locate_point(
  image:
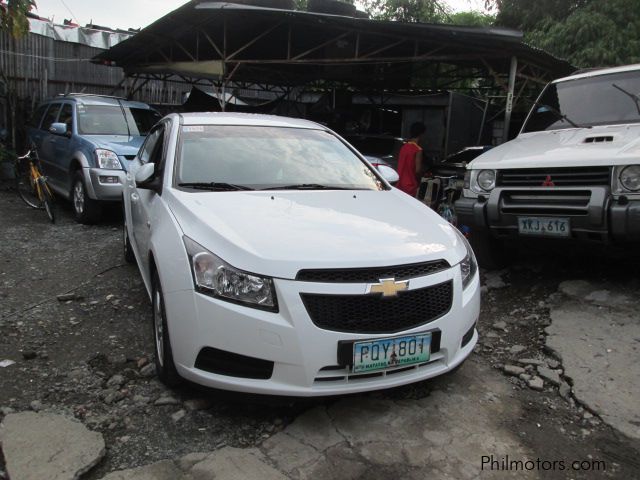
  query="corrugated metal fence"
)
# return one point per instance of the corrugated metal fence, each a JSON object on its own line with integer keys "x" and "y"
{"x": 39, "y": 67}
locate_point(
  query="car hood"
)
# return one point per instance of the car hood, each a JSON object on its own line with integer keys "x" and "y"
{"x": 566, "y": 148}
{"x": 121, "y": 145}
{"x": 278, "y": 233}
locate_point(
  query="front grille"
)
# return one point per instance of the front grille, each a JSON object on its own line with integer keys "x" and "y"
{"x": 560, "y": 177}
{"x": 375, "y": 314}
{"x": 545, "y": 202}
{"x": 369, "y": 275}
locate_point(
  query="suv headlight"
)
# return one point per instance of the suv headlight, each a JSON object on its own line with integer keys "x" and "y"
{"x": 213, "y": 276}
{"x": 487, "y": 180}
{"x": 468, "y": 265}
{"x": 630, "y": 178}
{"x": 480, "y": 181}
{"x": 107, "y": 159}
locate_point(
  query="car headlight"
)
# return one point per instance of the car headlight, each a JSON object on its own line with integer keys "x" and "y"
{"x": 487, "y": 180}
{"x": 107, "y": 159}
{"x": 213, "y": 276}
{"x": 468, "y": 265}
{"x": 630, "y": 178}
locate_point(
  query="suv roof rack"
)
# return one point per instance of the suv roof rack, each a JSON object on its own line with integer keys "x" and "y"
{"x": 72, "y": 94}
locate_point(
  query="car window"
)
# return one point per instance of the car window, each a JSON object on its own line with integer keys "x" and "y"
{"x": 50, "y": 116}
{"x": 613, "y": 99}
{"x": 269, "y": 157}
{"x": 66, "y": 116}
{"x": 147, "y": 149}
{"x": 115, "y": 120}
{"x": 143, "y": 118}
{"x": 35, "y": 119}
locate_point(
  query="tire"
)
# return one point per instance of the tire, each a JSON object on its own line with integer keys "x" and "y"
{"x": 490, "y": 252}
{"x": 165, "y": 367}
{"x": 129, "y": 257}
{"x": 25, "y": 187}
{"x": 50, "y": 207}
{"x": 85, "y": 209}
{"x": 49, "y": 204}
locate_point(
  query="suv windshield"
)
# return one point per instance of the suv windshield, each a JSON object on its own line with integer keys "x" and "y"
{"x": 586, "y": 102}
{"x": 109, "y": 120}
{"x": 269, "y": 157}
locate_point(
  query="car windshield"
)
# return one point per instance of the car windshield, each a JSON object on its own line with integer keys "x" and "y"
{"x": 612, "y": 99}
{"x": 109, "y": 120}
{"x": 260, "y": 157}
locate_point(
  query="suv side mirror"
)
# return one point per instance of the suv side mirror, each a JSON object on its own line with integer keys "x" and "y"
{"x": 145, "y": 177}
{"x": 59, "y": 129}
{"x": 389, "y": 174}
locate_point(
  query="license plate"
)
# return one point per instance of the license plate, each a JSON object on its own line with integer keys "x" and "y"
{"x": 385, "y": 353}
{"x": 544, "y": 226}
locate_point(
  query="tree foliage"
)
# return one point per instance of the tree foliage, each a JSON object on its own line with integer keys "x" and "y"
{"x": 13, "y": 16}
{"x": 588, "y": 33}
{"x": 425, "y": 11}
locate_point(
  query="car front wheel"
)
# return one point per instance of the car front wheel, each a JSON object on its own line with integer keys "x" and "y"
{"x": 490, "y": 252}
{"x": 85, "y": 209}
{"x": 165, "y": 368}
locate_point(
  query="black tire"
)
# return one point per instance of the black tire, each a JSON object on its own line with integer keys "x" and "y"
{"x": 490, "y": 252}
{"x": 165, "y": 367}
{"x": 49, "y": 204}
{"x": 85, "y": 209}
{"x": 24, "y": 186}
{"x": 129, "y": 257}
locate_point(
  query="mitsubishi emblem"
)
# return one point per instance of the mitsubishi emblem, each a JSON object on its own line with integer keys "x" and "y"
{"x": 548, "y": 182}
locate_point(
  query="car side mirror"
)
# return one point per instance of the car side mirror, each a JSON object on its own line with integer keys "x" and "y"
{"x": 59, "y": 128}
{"x": 145, "y": 177}
{"x": 388, "y": 173}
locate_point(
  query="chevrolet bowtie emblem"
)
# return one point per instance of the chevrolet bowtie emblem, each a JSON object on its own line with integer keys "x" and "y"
{"x": 388, "y": 287}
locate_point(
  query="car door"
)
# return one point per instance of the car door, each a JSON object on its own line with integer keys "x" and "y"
{"x": 152, "y": 151}
{"x": 47, "y": 144}
{"x": 61, "y": 155}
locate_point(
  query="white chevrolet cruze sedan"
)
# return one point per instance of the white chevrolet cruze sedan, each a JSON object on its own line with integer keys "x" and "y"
{"x": 279, "y": 261}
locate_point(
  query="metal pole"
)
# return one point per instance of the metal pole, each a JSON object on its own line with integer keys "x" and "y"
{"x": 509, "y": 105}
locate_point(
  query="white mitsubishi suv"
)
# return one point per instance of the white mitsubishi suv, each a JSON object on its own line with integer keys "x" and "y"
{"x": 279, "y": 261}
{"x": 573, "y": 172}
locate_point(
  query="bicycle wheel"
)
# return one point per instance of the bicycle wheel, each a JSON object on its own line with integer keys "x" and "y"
{"x": 26, "y": 185}
{"x": 47, "y": 200}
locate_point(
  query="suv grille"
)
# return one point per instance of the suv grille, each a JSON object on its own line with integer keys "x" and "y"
{"x": 370, "y": 275}
{"x": 561, "y": 177}
{"x": 375, "y": 314}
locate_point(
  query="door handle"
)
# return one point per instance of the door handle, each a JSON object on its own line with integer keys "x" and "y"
{"x": 135, "y": 197}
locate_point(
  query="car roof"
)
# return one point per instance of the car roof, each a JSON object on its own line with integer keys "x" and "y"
{"x": 600, "y": 71}
{"x": 249, "y": 119}
{"x": 87, "y": 99}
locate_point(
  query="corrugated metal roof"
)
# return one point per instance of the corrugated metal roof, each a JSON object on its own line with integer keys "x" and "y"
{"x": 290, "y": 47}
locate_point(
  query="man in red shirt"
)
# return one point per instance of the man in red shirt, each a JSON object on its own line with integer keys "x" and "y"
{"x": 410, "y": 161}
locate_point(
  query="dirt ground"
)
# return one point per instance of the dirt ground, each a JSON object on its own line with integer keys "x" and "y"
{"x": 74, "y": 317}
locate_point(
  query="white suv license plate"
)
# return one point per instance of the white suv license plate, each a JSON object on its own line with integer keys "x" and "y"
{"x": 544, "y": 226}
{"x": 393, "y": 352}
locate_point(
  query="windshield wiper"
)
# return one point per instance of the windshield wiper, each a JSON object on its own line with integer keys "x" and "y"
{"x": 213, "y": 186}
{"x": 307, "y": 186}
{"x": 561, "y": 115}
{"x": 633, "y": 96}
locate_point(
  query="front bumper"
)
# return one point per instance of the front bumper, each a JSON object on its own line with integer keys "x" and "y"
{"x": 300, "y": 350}
{"x": 594, "y": 214}
{"x": 105, "y": 185}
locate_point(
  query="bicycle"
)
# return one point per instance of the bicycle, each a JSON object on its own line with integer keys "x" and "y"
{"x": 446, "y": 196}
{"x": 32, "y": 185}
